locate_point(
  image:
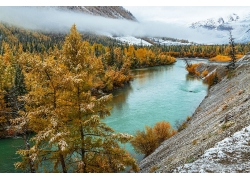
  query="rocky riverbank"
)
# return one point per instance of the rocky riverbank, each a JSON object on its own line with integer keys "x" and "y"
{"x": 223, "y": 112}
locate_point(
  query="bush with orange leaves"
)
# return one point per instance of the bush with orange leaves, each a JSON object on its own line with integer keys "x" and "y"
{"x": 212, "y": 79}
{"x": 204, "y": 73}
{"x": 145, "y": 142}
{"x": 192, "y": 69}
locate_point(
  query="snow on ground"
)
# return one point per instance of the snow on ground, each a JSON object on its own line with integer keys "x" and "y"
{"x": 229, "y": 155}
{"x": 167, "y": 42}
{"x": 138, "y": 41}
{"x": 170, "y": 43}
{"x": 132, "y": 40}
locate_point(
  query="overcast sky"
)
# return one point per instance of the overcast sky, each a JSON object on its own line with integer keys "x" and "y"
{"x": 183, "y": 14}
{"x": 127, "y": 3}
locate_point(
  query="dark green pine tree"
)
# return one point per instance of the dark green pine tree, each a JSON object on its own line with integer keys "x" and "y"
{"x": 18, "y": 89}
{"x": 232, "y": 53}
{"x": 16, "y": 105}
{"x": 111, "y": 58}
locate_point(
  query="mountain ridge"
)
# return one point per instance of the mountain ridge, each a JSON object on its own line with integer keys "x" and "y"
{"x": 115, "y": 12}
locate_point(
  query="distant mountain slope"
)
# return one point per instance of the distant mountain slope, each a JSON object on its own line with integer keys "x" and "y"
{"x": 115, "y": 12}
{"x": 239, "y": 25}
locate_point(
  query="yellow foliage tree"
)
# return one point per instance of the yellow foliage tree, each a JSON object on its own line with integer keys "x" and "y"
{"x": 66, "y": 117}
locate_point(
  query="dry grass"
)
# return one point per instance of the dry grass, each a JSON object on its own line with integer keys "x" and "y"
{"x": 227, "y": 125}
{"x": 194, "y": 142}
{"x": 153, "y": 169}
{"x": 188, "y": 118}
{"x": 224, "y": 107}
{"x": 240, "y": 92}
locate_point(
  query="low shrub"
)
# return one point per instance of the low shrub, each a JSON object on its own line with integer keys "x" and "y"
{"x": 227, "y": 125}
{"x": 192, "y": 69}
{"x": 153, "y": 169}
{"x": 211, "y": 79}
{"x": 145, "y": 142}
{"x": 204, "y": 73}
{"x": 188, "y": 118}
{"x": 194, "y": 142}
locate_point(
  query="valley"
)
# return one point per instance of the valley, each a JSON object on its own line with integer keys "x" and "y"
{"x": 97, "y": 89}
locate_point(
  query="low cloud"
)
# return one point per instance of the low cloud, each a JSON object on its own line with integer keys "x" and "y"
{"x": 51, "y": 19}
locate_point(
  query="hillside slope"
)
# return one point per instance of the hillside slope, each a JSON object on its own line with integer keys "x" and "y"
{"x": 224, "y": 111}
{"x": 115, "y": 12}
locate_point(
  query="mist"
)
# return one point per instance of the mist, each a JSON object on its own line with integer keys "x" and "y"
{"x": 51, "y": 19}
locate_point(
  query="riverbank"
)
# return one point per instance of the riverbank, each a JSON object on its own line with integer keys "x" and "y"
{"x": 223, "y": 112}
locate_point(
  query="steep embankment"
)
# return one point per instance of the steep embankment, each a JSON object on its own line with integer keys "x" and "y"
{"x": 224, "y": 111}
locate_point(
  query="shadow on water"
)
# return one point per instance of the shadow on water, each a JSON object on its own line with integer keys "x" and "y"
{"x": 120, "y": 96}
{"x": 192, "y": 78}
{"x": 8, "y": 156}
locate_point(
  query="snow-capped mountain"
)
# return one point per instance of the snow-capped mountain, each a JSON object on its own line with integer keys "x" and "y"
{"x": 219, "y": 27}
{"x": 221, "y": 23}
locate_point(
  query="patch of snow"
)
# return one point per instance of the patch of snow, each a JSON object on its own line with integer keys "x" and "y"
{"x": 167, "y": 42}
{"x": 133, "y": 40}
{"x": 229, "y": 155}
{"x": 170, "y": 43}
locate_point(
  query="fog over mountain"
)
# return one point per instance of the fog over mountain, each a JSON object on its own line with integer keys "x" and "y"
{"x": 54, "y": 19}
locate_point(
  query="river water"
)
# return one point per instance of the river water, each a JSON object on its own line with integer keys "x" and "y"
{"x": 155, "y": 94}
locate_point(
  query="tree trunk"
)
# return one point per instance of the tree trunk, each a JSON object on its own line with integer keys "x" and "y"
{"x": 83, "y": 150}
{"x": 27, "y": 146}
{"x": 62, "y": 160}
